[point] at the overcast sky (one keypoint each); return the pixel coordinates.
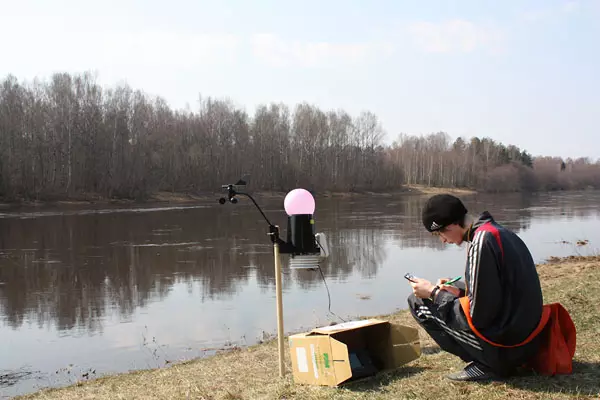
(516, 71)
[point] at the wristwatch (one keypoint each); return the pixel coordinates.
(433, 293)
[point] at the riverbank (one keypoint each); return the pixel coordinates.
(251, 373)
(165, 197)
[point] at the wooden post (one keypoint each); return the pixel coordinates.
(279, 296)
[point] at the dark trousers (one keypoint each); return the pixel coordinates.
(465, 344)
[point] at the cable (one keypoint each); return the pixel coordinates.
(327, 287)
(329, 295)
(232, 193)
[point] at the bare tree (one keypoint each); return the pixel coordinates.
(68, 137)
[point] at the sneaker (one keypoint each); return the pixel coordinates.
(472, 372)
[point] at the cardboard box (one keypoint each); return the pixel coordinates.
(342, 353)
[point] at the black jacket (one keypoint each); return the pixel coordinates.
(502, 285)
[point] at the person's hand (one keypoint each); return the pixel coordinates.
(451, 289)
(422, 288)
(441, 281)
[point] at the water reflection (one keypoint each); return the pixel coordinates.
(71, 273)
(68, 269)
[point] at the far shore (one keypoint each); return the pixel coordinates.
(167, 197)
(184, 198)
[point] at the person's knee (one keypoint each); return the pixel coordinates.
(412, 301)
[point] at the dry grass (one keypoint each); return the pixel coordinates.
(175, 197)
(252, 373)
(429, 190)
(86, 199)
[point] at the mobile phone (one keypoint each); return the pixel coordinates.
(410, 277)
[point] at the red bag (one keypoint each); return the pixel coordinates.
(557, 347)
(558, 340)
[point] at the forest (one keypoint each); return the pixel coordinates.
(68, 137)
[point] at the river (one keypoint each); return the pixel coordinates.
(94, 291)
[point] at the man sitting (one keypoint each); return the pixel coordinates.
(501, 299)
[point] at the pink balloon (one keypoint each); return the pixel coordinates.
(299, 201)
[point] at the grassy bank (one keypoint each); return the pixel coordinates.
(95, 199)
(182, 198)
(252, 373)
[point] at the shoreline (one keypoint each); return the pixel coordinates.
(251, 372)
(167, 197)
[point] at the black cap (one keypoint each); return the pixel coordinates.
(442, 210)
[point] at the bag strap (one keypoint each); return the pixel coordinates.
(465, 304)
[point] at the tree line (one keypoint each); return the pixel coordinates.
(69, 137)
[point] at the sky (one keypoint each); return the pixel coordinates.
(519, 72)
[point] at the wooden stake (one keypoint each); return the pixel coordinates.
(279, 309)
